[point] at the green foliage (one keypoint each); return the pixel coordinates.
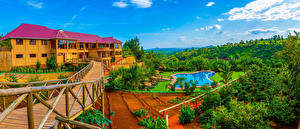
(93, 117)
(132, 47)
(211, 100)
(151, 123)
(140, 112)
(51, 63)
(12, 78)
(129, 79)
(240, 116)
(187, 115)
(281, 110)
(6, 43)
(38, 65)
(62, 76)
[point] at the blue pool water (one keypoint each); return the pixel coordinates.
(201, 77)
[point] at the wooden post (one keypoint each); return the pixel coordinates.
(67, 103)
(4, 102)
(103, 105)
(83, 96)
(167, 121)
(30, 111)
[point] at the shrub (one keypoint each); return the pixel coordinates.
(38, 65)
(140, 112)
(151, 123)
(281, 110)
(187, 115)
(93, 117)
(51, 63)
(240, 116)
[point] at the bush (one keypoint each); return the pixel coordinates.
(151, 123)
(187, 115)
(140, 112)
(51, 63)
(38, 65)
(93, 117)
(240, 116)
(281, 110)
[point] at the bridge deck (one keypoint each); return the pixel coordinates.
(18, 118)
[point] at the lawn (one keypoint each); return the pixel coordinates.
(161, 86)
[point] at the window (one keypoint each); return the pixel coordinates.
(71, 41)
(32, 55)
(86, 46)
(44, 42)
(81, 46)
(74, 53)
(72, 46)
(19, 56)
(19, 41)
(93, 45)
(44, 55)
(32, 42)
(53, 43)
(59, 54)
(62, 44)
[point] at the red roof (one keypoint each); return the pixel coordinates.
(42, 32)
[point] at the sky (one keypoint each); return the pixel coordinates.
(159, 23)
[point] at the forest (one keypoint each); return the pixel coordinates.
(266, 95)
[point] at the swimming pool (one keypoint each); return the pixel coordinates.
(202, 77)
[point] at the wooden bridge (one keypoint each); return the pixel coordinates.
(52, 104)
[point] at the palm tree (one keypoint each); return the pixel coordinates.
(226, 72)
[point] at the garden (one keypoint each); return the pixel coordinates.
(264, 95)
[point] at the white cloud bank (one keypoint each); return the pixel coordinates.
(142, 3)
(35, 4)
(210, 4)
(206, 28)
(267, 10)
(264, 31)
(120, 4)
(137, 3)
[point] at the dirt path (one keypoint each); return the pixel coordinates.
(122, 118)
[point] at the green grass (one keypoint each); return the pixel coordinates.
(218, 78)
(161, 86)
(168, 74)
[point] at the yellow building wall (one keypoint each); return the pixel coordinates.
(5, 60)
(26, 49)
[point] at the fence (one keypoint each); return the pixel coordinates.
(88, 93)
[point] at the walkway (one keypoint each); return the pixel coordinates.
(18, 118)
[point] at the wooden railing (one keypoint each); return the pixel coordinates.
(88, 93)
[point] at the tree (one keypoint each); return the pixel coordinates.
(225, 72)
(281, 110)
(240, 116)
(51, 63)
(133, 46)
(187, 115)
(38, 65)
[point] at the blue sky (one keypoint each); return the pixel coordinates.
(159, 23)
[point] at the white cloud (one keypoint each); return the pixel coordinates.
(120, 4)
(219, 19)
(210, 4)
(207, 28)
(217, 26)
(142, 3)
(198, 18)
(35, 4)
(294, 29)
(166, 29)
(267, 10)
(263, 31)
